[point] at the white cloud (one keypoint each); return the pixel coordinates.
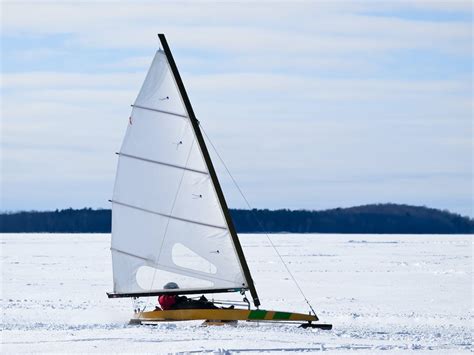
(58, 80)
(233, 27)
(135, 62)
(299, 97)
(37, 54)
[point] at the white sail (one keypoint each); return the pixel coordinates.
(167, 222)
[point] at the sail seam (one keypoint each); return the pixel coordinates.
(162, 163)
(160, 111)
(166, 267)
(168, 216)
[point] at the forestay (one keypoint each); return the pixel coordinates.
(167, 221)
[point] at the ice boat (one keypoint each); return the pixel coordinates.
(170, 221)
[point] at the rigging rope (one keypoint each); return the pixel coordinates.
(256, 218)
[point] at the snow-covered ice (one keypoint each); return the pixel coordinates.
(382, 293)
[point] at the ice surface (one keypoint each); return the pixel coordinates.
(382, 293)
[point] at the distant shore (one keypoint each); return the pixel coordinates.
(368, 219)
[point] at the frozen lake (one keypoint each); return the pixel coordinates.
(382, 293)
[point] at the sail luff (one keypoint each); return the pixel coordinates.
(210, 166)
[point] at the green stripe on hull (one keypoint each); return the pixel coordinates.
(257, 314)
(281, 315)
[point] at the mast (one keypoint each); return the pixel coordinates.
(210, 166)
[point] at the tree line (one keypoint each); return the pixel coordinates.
(368, 219)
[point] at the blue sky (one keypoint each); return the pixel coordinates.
(313, 105)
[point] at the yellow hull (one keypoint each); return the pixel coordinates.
(222, 315)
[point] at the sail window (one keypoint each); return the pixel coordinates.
(151, 278)
(185, 257)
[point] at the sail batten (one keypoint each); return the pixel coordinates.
(168, 216)
(162, 163)
(161, 111)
